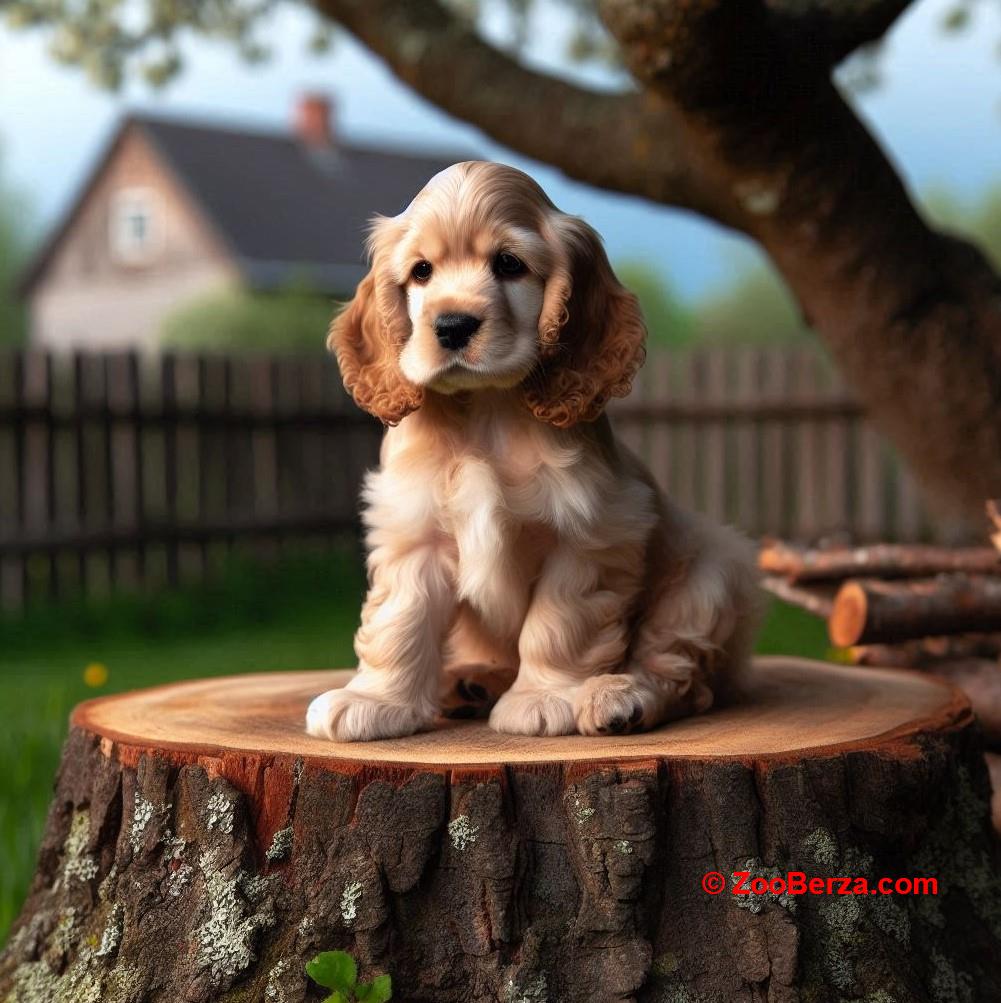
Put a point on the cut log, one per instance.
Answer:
(200, 847)
(815, 599)
(927, 652)
(881, 560)
(873, 612)
(994, 514)
(994, 770)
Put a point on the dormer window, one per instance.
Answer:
(134, 227)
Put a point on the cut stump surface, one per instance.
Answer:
(796, 707)
(200, 847)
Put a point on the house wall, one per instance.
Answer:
(88, 298)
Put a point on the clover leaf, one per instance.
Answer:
(337, 971)
(334, 970)
(379, 990)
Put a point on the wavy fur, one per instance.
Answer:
(507, 527)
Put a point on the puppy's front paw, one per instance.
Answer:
(347, 716)
(533, 712)
(615, 704)
(620, 703)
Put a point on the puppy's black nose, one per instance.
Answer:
(454, 330)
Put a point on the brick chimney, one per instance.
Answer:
(313, 121)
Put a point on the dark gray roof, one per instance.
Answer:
(287, 212)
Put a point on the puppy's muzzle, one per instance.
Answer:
(453, 330)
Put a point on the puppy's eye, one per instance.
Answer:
(507, 265)
(421, 271)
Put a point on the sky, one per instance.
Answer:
(937, 113)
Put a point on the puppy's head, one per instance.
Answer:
(482, 282)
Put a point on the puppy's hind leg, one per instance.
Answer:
(478, 669)
(690, 645)
(576, 628)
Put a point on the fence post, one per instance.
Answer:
(12, 566)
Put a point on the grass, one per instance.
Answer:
(788, 630)
(298, 615)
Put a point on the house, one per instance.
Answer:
(174, 210)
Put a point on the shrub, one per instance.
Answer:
(292, 319)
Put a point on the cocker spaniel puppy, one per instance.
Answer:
(506, 525)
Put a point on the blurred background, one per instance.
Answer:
(179, 465)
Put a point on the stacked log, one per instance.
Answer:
(935, 609)
(870, 610)
(882, 597)
(994, 514)
(882, 560)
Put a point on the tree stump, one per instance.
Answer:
(200, 847)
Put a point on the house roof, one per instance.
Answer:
(287, 212)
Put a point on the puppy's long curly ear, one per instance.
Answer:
(367, 337)
(591, 330)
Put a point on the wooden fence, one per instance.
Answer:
(128, 470)
(770, 440)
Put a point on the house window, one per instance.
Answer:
(134, 226)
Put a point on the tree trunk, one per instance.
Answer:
(911, 316)
(201, 848)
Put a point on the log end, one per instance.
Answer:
(849, 612)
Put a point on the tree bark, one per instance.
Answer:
(833, 31)
(870, 611)
(619, 141)
(201, 848)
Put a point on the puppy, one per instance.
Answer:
(507, 527)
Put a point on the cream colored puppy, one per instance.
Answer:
(506, 525)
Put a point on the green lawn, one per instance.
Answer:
(299, 616)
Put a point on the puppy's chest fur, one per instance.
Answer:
(500, 492)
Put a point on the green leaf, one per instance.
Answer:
(379, 990)
(336, 997)
(333, 970)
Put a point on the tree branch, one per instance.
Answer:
(910, 315)
(830, 30)
(737, 118)
(623, 142)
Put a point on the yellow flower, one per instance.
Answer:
(95, 674)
